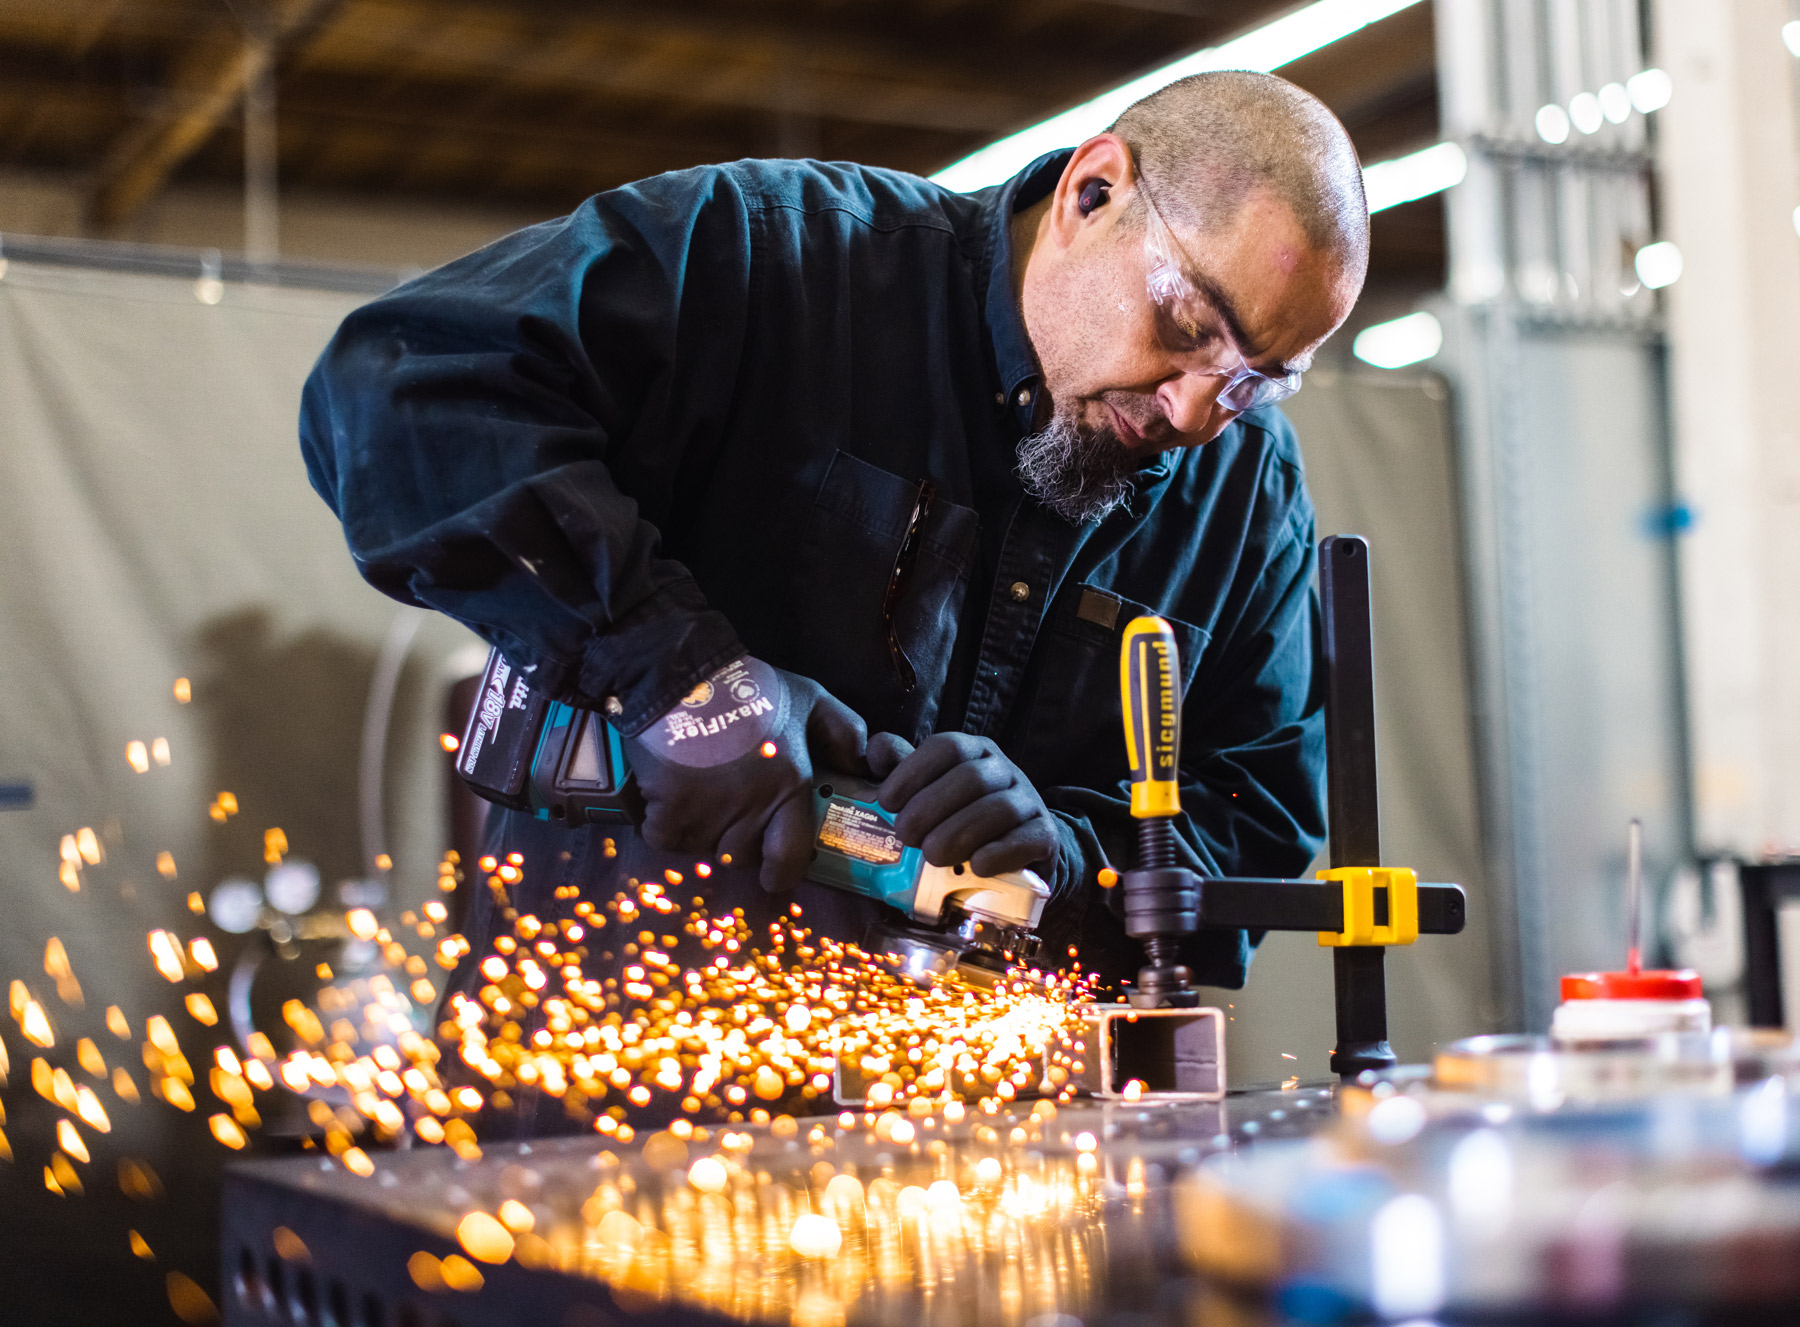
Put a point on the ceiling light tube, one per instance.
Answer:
(1263, 49)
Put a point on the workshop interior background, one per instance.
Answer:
(1564, 413)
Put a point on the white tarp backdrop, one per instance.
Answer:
(155, 523)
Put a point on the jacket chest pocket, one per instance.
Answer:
(853, 589)
(1074, 713)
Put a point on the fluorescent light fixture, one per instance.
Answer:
(1615, 103)
(1553, 124)
(1658, 264)
(1394, 345)
(1649, 89)
(1790, 33)
(1417, 175)
(1585, 112)
(1262, 49)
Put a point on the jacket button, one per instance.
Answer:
(1020, 592)
(1024, 397)
(613, 707)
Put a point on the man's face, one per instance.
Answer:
(1117, 386)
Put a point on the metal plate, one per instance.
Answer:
(1051, 1234)
(1173, 1054)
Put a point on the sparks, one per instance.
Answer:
(166, 950)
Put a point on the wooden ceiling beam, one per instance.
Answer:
(98, 18)
(1113, 36)
(550, 177)
(430, 148)
(48, 122)
(498, 130)
(70, 28)
(974, 45)
(553, 98)
(55, 131)
(633, 50)
(205, 87)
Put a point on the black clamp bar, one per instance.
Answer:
(1315, 905)
(1359, 971)
(1766, 886)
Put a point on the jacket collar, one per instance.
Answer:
(1014, 360)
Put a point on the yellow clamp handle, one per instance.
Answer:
(1360, 884)
(1150, 699)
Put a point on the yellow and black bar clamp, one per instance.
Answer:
(1162, 898)
(1358, 907)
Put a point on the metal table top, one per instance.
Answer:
(1051, 1218)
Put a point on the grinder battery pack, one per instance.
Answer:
(522, 750)
(565, 764)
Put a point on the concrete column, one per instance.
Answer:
(1730, 181)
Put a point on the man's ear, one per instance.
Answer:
(1089, 184)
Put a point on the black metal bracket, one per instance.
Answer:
(1353, 808)
(1766, 886)
(1314, 905)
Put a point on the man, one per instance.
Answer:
(912, 460)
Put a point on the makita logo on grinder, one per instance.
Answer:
(493, 704)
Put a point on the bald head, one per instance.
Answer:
(1145, 346)
(1208, 142)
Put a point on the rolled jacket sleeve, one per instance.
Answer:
(464, 428)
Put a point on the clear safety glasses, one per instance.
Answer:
(1190, 328)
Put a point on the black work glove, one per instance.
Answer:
(729, 769)
(960, 799)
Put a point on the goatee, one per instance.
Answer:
(1079, 475)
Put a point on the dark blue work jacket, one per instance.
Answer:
(691, 420)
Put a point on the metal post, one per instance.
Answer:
(262, 214)
(1351, 793)
(1762, 943)
(1552, 355)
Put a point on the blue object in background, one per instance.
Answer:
(1310, 1302)
(1666, 520)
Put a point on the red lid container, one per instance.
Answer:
(1663, 984)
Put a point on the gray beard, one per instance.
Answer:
(1079, 476)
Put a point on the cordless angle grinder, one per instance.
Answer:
(568, 766)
